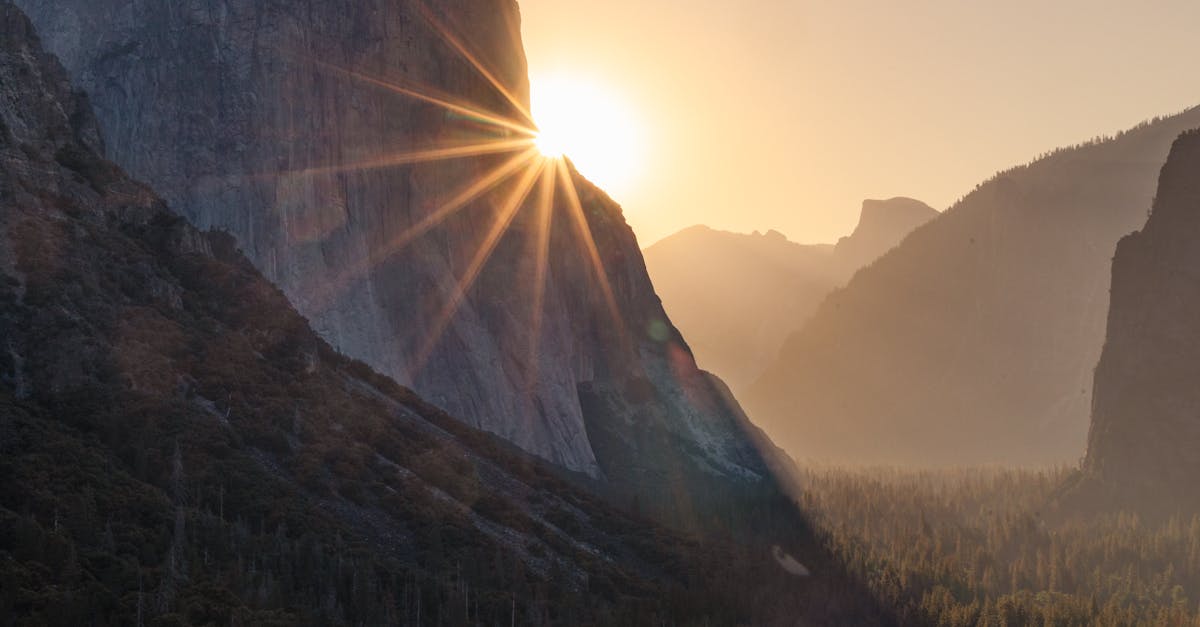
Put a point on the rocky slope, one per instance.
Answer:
(974, 340)
(253, 117)
(737, 297)
(1146, 407)
(177, 446)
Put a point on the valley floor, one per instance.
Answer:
(984, 547)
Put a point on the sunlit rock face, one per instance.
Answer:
(235, 112)
(166, 399)
(1145, 434)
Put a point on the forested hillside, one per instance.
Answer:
(990, 547)
(177, 446)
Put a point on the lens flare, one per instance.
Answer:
(591, 126)
(576, 120)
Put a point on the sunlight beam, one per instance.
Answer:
(545, 221)
(477, 188)
(424, 94)
(511, 206)
(585, 235)
(462, 49)
(419, 156)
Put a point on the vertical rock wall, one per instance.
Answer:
(1146, 409)
(231, 110)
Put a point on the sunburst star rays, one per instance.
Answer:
(459, 292)
(584, 233)
(456, 42)
(428, 95)
(471, 191)
(545, 222)
(488, 137)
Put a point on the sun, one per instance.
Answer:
(591, 126)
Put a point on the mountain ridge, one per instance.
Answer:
(265, 121)
(769, 285)
(882, 224)
(177, 446)
(981, 329)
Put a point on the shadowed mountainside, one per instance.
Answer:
(882, 225)
(1142, 450)
(294, 127)
(302, 128)
(737, 297)
(974, 340)
(177, 446)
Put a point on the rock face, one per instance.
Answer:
(975, 339)
(177, 446)
(1146, 405)
(252, 117)
(737, 297)
(146, 364)
(881, 226)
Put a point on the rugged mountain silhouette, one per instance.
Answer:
(250, 117)
(1142, 450)
(737, 297)
(974, 340)
(177, 446)
(882, 225)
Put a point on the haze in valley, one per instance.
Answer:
(487, 312)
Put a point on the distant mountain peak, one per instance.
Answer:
(881, 225)
(974, 338)
(900, 210)
(769, 284)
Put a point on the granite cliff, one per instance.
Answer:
(1142, 449)
(974, 340)
(178, 446)
(258, 119)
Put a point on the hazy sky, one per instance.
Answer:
(787, 113)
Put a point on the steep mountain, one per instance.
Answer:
(177, 446)
(974, 340)
(882, 224)
(1146, 408)
(737, 297)
(302, 129)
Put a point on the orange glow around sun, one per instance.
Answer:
(591, 126)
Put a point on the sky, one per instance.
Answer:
(786, 114)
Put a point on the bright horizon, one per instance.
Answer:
(788, 116)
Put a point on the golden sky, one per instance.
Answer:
(785, 114)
